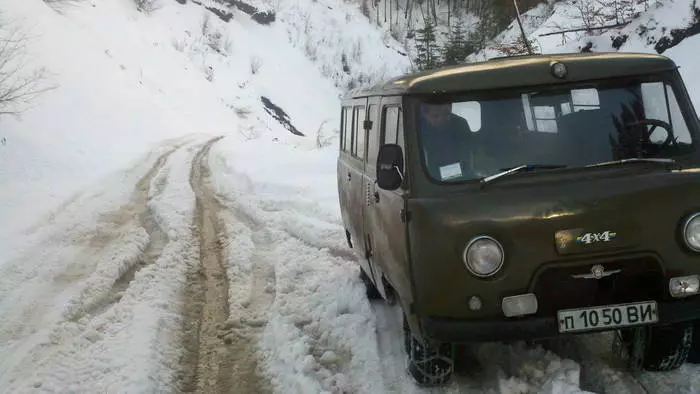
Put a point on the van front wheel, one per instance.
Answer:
(370, 288)
(661, 348)
(694, 355)
(428, 364)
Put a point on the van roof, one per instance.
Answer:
(515, 71)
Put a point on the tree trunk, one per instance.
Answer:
(391, 15)
(376, 7)
(449, 9)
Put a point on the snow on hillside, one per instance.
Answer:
(334, 33)
(659, 27)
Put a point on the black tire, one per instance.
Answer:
(370, 289)
(694, 354)
(428, 365)
(660, 348)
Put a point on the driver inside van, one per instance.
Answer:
(445, 138)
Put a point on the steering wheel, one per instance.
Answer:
(670, 137)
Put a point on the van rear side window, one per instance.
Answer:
(347, 129)
(358, 149)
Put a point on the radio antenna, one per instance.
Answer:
(522, 30)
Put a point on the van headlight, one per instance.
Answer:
(691, 232)
(483, 256)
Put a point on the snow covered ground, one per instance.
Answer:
(163, 231)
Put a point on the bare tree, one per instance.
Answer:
(18, 86)
(591, 13)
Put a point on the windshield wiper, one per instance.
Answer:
(634, 160)
(521, 168)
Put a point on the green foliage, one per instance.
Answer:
(428, 50)
(457, 47)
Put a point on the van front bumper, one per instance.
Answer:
(528, 328)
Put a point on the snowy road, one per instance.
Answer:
(183, 274)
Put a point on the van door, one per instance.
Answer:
(343, 167)
(351, 169)
(386, 228)
(373, 141)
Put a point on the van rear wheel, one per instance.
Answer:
(660, 348)
(428, 364)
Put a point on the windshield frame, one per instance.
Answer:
(671, 78)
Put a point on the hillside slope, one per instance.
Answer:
(124, 80)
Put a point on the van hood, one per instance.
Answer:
(551, 222)
(573, 216)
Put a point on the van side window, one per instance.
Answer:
(347, 128)
(399, 131)
(390, 123)
(359, 134)
(343, 129)
(373, 144)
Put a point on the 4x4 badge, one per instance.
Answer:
(597, 272)
(589, 238)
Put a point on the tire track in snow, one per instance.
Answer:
(139, 210)
(101, 251)
(249, 315)
(220, 352)
(327, 362)
(92, 263)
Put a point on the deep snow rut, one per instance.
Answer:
(221, 354)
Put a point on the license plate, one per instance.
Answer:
(609, 316)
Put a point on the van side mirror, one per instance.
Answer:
(390, 167)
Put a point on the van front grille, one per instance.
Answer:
(638, 280)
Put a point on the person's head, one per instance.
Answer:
(436, 114)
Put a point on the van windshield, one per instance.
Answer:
(473, 137)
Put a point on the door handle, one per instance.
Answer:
(376, 196)
(349, 177)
